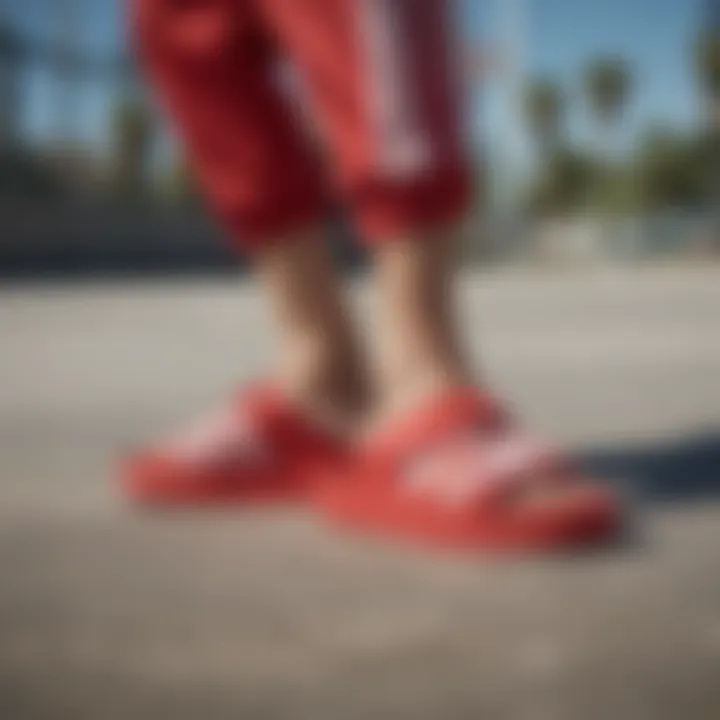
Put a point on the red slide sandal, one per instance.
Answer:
(457, 474)
(257, 450)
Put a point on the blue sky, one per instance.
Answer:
(655, 36)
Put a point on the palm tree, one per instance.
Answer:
(544, 109)
(133, 131)
(707, 63)
(607, 85)
(65, 48)
(607, 89)
(180, 181)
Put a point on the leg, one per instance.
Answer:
(422, 350)
(215, 70)
(442, 463)
(321, 364)
(381, 78)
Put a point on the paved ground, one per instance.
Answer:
(107, 613)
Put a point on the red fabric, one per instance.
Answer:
(456, 474)
(379, 83)
(265, 453)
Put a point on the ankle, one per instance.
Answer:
(423, 353)
(418, 385)
(320, 366)
(326, 380)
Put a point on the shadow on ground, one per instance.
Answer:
(677, 470)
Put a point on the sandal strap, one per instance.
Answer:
(441, 418)
(470, 467)
(239, 431)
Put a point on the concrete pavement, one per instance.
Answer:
(110, 613)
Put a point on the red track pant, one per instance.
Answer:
(376, 78)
